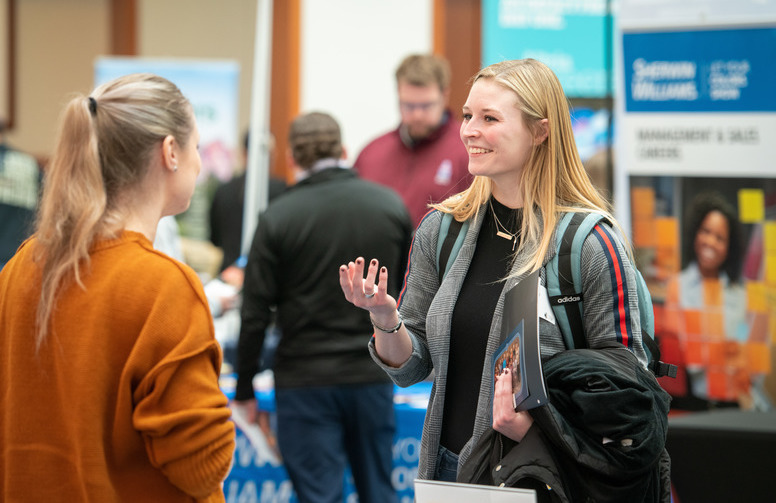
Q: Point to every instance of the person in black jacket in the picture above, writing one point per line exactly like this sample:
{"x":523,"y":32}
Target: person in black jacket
{"x":333,"y":403}
{"x":227,"y":207}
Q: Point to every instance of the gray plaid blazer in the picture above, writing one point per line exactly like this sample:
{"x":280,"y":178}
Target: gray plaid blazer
{"x":427,"y":309}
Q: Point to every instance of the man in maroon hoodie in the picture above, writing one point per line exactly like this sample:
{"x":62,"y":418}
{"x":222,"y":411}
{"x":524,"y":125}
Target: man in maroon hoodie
{"x":423,"y":159}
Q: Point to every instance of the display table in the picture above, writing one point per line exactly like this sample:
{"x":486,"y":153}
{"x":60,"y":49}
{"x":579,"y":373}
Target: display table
{"x":258,"y":477}
{"x":725,"y":455}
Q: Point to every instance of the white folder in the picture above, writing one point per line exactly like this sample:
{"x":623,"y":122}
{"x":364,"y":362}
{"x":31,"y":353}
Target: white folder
{"x":434,"y":491}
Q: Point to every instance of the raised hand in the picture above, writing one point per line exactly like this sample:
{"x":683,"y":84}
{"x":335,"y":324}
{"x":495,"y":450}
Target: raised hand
{"x":370,"y":292}
{"x":392,"y":342}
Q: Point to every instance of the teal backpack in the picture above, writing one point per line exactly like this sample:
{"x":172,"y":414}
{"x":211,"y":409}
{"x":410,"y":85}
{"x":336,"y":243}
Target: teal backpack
{"x":564,"y":281}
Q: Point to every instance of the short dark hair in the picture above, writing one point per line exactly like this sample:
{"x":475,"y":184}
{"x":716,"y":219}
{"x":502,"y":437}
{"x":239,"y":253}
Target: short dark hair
{"x":314,"y":136}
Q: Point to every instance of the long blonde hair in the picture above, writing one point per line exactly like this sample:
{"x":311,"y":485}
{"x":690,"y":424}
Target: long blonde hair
{"x":553,"y":180}
{"x":103,"y":150}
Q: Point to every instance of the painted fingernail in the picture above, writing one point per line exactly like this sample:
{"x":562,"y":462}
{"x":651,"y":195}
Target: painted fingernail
{"x":374,"y":262}
{"x":383,"y":269}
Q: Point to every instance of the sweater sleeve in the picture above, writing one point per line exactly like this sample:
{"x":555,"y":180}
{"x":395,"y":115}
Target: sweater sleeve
{"x":179,"y":408}
{"x":611,"y":307}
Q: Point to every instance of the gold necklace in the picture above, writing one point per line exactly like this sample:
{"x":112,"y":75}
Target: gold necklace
{"x":501,"y":230}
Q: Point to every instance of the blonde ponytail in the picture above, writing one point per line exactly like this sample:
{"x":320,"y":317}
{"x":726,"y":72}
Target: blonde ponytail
{"x":72,"y":205}
{"x":102,"y":152}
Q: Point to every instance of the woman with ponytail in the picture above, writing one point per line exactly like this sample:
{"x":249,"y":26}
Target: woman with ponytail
{"x":108,"y":361}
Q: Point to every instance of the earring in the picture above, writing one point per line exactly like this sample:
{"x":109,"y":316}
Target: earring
{"x":174,"y":167}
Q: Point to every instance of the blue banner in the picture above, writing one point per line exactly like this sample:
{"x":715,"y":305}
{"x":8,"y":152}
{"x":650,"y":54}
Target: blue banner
{"x":700,"y":71}
{"x":257,"y":476}
{"x":573,"y":37}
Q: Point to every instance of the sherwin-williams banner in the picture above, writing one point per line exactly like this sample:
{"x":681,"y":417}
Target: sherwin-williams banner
{"x":699,"y":102}
{"x":700,"y":71}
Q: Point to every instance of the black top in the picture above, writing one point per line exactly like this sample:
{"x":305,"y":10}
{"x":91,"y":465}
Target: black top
{"x":472,"y":317}
{"x":226,"y":215}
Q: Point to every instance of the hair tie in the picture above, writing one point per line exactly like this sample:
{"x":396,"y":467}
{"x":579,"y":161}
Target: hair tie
{"x":92,"y":106}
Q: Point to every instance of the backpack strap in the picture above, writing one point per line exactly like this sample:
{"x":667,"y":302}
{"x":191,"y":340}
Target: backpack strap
{"x":658,"y":368}
{"x":449,"y":243}
{"x":563,"y":273}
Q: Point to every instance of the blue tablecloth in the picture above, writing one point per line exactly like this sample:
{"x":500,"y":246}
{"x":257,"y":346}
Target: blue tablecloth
{"x":258,"y":478}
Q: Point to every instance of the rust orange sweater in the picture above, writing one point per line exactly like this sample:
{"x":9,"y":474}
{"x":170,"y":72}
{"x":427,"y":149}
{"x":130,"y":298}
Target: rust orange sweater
{"x":121,"y":403}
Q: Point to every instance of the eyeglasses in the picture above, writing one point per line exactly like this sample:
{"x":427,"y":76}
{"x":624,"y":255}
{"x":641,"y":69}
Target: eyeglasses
{"x":408,"y":107}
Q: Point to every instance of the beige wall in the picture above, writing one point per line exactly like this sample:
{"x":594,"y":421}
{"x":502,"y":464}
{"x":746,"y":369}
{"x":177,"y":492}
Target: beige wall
{"x":201,"y":29}
{"x":58,"y":41}
{"x":56,"y":44}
